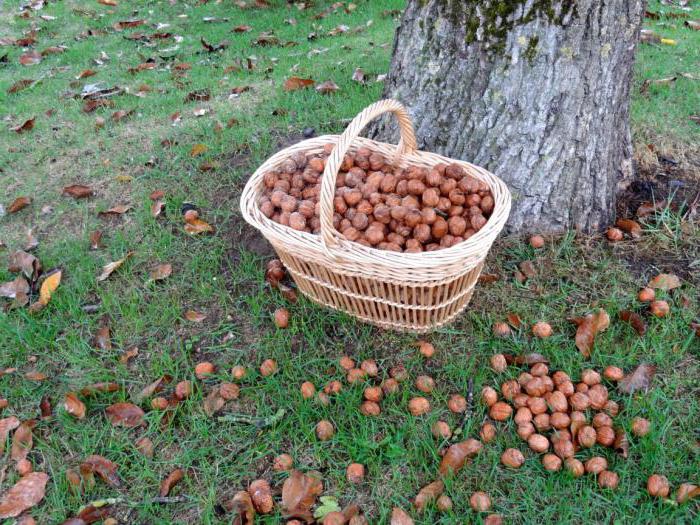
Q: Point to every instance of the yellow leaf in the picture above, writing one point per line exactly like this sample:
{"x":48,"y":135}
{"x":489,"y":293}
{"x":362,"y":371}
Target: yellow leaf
{"x":123,"y":178}
{"x":198,"y":226}
{"x":107,"y":269}
{"x":198,"y":149}
{"x":48,"y":287}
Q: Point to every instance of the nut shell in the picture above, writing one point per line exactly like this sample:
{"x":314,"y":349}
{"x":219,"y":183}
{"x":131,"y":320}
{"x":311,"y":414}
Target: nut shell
{"x":512,"y":458}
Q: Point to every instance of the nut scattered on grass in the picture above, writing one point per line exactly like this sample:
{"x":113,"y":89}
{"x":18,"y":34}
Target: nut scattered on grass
{"x":657,"y":486}
{"x":487,"y":433}
{"x":390,"y":386}
{"x":498,"y":362}
{"x":238,"y":372}
{"x":659,"y":308}
{"x":204,"y":369}
{"x":537,"y":241}
{"x":323,"y":399}
{"x":539,"y":370}
{"x":574,"y":466}
{"x":510,"y":389}
{"x":183,"y":390}
{"x":686,"y":492}
{"x":640,"y":426}
{"x":493,"y":519}
{"x":512,"y":458}
{"x":283,"y":462}
{"x":346,"y":363}
{"x":590,"y":377}
{"x":596,"y":465}
{"x":614,"y":234}
{"x":457,"y":404}
{"x":613,"y":373}
{"x":229,"y":391}
{"x":370,"y":408}
{"x":646,"y":295}
{"x":418,"y":406}
{"x":307,"y":390}
{"x":369,"y":366}
{"x":489,"y":396}
{"x":501,"y":330}
{"x":333,"y":387}
{"x":608,"y":479}
{"x":426,"y":349}
{"x":480,"y":501}
{"x":441,"y":430}
{"x":281,"y":318}
{"x":500,"y":411}
{"x":587,"y":436}
{"x":159,"y":403}
{"x":538,"y":443}
{"x":541,"y":330}
{"x":425,"y":384}
{"x":399,"y":373}
{"x":373,"y":393}
{"x":324,"y":430}
{"x":444,"y":503}
{"x":268,"y":367}
{"x":355,"y":472}
{"x":24,"y":467}
{"x":551,"y":462}
{"x":525,"y":431}
{"x":605,"y":436}
{"x":522,"y":416}
{"x":601,"y":419}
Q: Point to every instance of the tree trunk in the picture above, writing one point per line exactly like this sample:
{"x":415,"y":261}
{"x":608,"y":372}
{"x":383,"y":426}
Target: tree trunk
{"x":537,"y":91}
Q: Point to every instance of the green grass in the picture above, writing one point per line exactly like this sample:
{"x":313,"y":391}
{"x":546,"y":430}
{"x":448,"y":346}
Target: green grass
{"x":222,"y":275}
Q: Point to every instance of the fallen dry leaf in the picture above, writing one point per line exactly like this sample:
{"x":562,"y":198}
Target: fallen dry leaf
{"x":107,"y":269}
{"x":526,"y":359}
{"x":93,"y":104}
{"x":428,"y":494}
{"x":198,"y":149}
{"x":195,"y":317}
{"x":104,"y":468}
{"x":327,"y":87}
{"x":197,"y":226}
{"x":299,"y":493}
{"x":27,"y":125}
{"x":359,"y":75}
{"x":12,"y":289}
{"x":21,"y":261}
{"x":95,"y":388}
{"x":241,"y":29}
{"x":30,"y":58}
{"x":294,"y":83}
{"x":635,"y":321}
{"x":514,"y":320}
{"x":20,"y":85}
{"x":639,"y":379}
{"x":26,"y":493}
{"x":692,"y":24}
{"x":122,"y":114}
{"x":152,"y":388}
{"x":170,"y":481}
{"x":630,"y":226}
{"x":528,"y":269}
{"x":78,"y":191}
{"x":125,"y":414}
{"x":457,"y":455}
{"x":242,"y":508}
{"x":649,"y":208}
{"x":127,"y":24}
{"x":145,"y":447}
{"x":157,"y":208}
{"x":128,"y":354}
{"x":74,"y":406}
{"x":45,"y":407}
{"x":22,"y":440}
{"x":213,"y":402}
{"x":665,"y":281}
{"x":48,"y":287}
{"x":588,"y":327}
{"x":621,"y":443}
{"x":161,"y":271}
{"x":96,"y":240}
{"x":19,"y":204}
{"x":36,"y":376}
{"x":86,"y":73}
{"x":7,"y":425}
{"x":400,"y":517}
{"x":102,"y":339}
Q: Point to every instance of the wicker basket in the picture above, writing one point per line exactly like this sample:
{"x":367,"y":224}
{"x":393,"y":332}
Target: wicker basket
{"x":403,"y":291}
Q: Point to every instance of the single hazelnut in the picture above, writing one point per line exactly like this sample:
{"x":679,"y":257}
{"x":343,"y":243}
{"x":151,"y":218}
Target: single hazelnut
{"x":539,"y":369}
{"x":537,"y":241}
{"x":640,"y":426}
{"x":612,"y":408}
{"x":333,"y":387}
{"x":602,"y":419}
{"x":608,"y":479}
{"x":535,"y":387}
{"x":283,"y":462}
{"x":560,"y":377}
{"x":579,"y":401}
{"x":457,"y":404}
{"x":538,"y":443}
{"x":510,"y":389}
{"x":281,"y":318}
{"x":356,"y":375}
{"x":659,"y":308}
{"x":426,"y":349}
{"x":204,"y":369}
{"x":551,"y":462}
{"x":487,"y":432}
{"x":346,"y":363}
{"x":596,"y":465}
{"x":268,"y":367}
{"x":582,"y":387}
{"x":524,"y":378}
{"x":480,"y":501}
{"x":500,"y":411}
{"x":646,"y":295}
{"x":489,"y":396}
{"x":586,"y":436}
{"x":512,"y":458}
{"x":522,"y":416}
{"x":159,"y":403}
{"x":564,"y":448}
{"x":590,"y":377}
{"x":238,"y":372}
{"x":537,"y":405}
{"x":307,"y":390}
{"x":373,"y":393}
{"x":501,"y":330}
{"x":355,"y":473}
{"x":520,"y":400}
{"x":541,"y":330}
{"x":183,"y":390}
{"x":541,"y":422}
{"x":229,"y":391}
{"x":441,"y":430}
{"x":444,"y":503}
{"x":559,"y":420}
{"x":498,"y":362}
{"x":574,"y":466}
{"x":613,"y":373}
{"x":390,"y":386}
{"x":686,"y":492}
{"x":425,"y":384}
{"x":657,"y":486}
{"x":370,"y":367}
{"x":324,"y":430}
{"x":598,"y":396}
{"x":557,"y":402}
{"x":614,"y":234}
{"x":567,"y":388}
{"x":605,"y":436}
{"x":418,"y":406}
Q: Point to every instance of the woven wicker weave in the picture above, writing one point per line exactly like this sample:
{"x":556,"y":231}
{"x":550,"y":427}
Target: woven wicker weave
{"x":403,"y":291}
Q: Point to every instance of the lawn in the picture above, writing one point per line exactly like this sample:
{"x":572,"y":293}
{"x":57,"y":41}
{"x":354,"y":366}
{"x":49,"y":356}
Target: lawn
{"x":195,"y":121}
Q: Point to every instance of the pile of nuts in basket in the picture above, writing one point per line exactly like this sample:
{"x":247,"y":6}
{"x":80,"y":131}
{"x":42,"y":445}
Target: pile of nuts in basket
{"x":379,"y":205}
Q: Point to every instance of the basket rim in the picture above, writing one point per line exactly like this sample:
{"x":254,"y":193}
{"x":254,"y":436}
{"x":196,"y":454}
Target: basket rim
{"x":386,"y":258}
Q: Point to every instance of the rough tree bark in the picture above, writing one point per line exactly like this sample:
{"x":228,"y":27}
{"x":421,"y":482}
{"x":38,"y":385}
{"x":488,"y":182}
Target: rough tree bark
{"x":535,"y":90}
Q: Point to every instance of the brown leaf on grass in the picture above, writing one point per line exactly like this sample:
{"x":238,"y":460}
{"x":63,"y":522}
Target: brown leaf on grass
{"x":125,"y":414}
{"x":7,"y":425}
{"x":266,"y":38}
{"x":74,"y":406}
{"x":200,"y":95}
{"x":26,"y":493}
{"x":53,"y":50}
{"x":13,"y":289}
{"x":27,"y":125}
{"x":457,"y":455}
{"x":198,"y":226}
{"x":261,"y":494}
{"x":630,"y":226}
{"x":294,"y":83}
{"x":20,"y":85}
{"x":152,"y":388}
{"x":526,"y":359}
{"x":214,"y":48}
{"x":119,"y":209}
{"x":19,"y":204}
{"x":209,"y":166}
{"x":487,"y":278}
{"x":122,"y":114}
{"x":528,"y":269}
{"x":96,"y":388}
{"x":45,"y":407}
{"x":195,"y":317}
{"x":649,"y":208}
{"x":665,"y":281}
{"x":287,"y":292}
{"x":36,"y":376}
{"x":78,"y":191}
{"x":162,"y":271}
{"x":588,"y":327}
{"x":299,"y":493}
{"x":145,"y":447}
{"x":93,"y":104}
{"x":170,"y":481}
{"x":156,"y":195}
{"x":241,"y":29}
{"x":639,"y":379}
{"x":102,"y":339}
{"x":621,"y":443}
{"x":30,"y":58}
{"x":96,"y":240}
{"x":428,"y":494}
{"x":157,"y":208}
{"x":644,"y":88}
{"x":635,"y":321}
{"x":22,"y":440}
{"x":86,"y":73}
{"x":109,"y":268}
{"x":128,"y":354}
{"x":21,"y":261}
{"x":692,"y":24}
{"x":359,"y":75}
{"x":48,"y":287}
{"x":198,"y":149}
{"x":327,"y":87}
{"x":128,"y":24}
{"x":104,"y":468}
{"x":213,"y":402}
{"x":400,"y":517}
{"x":32,"y":241}
{"x":242,"y":507}
{"x":514,"y":320}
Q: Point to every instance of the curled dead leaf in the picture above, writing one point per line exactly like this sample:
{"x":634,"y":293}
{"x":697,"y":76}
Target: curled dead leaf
{"x":26,"y":493}
{"x":198,"y":149}
{"x":104,"y":468}
{"x":102,"y":339}
{"x":27,"y":125}
{"x":242,"y":507}
{"x":588,"y":327}
{"x":19,"y":204}
{"x":20,"y":85}
{"x":428,"y":494}
{"x":327,"y":87}
{"x":621,"y":443}
{"x":295,"y":83}
{"x":639,"y":379}
{"x":198,"y":226}
{"x":665,"y":281}
{"x":299,"y":493}
{"x":7,"y":425}
{"x":78,"y":191}
{"x":195,"y":317}
{"x":152,"y":388}
{"x":21,"y":261}
{"x":630,"y":226}
{"x":96,"y":240}
{"x":30,"y":58}
{"x":74,"y":406}
{"x":635,"y":321}
{"x":145,"y":447}
{"x":111,"y":267}
{"x":48,"y":287}
{"x":22,"y":440}
{"x":157,"y":208}
{"x":125,"y":414}
{"x":161,"y":271}
{"x":96,"y":388}
{"x":13,"y":289}
{"x":457,"y":455}
{"x":119,"y":209}
{"x":170,"y":481}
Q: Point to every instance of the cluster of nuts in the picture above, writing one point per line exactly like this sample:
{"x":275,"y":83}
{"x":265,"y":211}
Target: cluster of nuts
{"x":552,"y":415}
{"x":657,"y":307}
{"x":376,"y":204}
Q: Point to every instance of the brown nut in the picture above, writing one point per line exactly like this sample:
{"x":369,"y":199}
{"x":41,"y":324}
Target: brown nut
{"x":500,"y":411}
{"x":646,"y":295}
{"x":579,"y":401}
{"x":613,"y":373}
{"x":525,"y":431}
{"x":608,"y":480}
{"x":538,"y":443}
{"x":441,"y":430}
{"x":574,"y":466}
{"x":535,"y":387}
{"x":498,"y":362}
{"x":307,"y":390}
{"x":489,"y":396}
{"x":418,"y":406}
{"x":541,"y":330}
{"x":324,"y":430}
{"x":373,"y":393}
{"x":602,"y":420}
{"x":590,"y":377}
{"x":541,"y":422}
{"x":355,"y":473}
{"x":605,"y":436}
{"x":551,"y":462}
{"x":657,"y":486}
{"x":510,"y":389}
{"x":487,"y":432}
{"x":564,"y":448}
{"x":283,"y":462}
{"x":512,"y":458}
{"x":522,"y":416}
{"x":370,"y":408}
{"x":537,"y":405}
{"x":640,"y":426}
{"x":480,"y":501}
{"x":557,"y":402}
{"x":596,"y":465}
{"x":659,"y":308}
{"x":425,"y":384}
{"x":539,"y":369}
{"x":457,"y":404}
{"x":586,"y":436}
{"x":559,"y":420}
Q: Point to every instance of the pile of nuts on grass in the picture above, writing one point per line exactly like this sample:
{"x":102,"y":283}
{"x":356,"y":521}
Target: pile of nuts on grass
{"x":376,"y":204}
{"x":554,"y":418}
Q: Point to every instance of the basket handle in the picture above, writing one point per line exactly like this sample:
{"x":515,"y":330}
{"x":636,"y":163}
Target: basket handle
{"x":407,"y":146}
